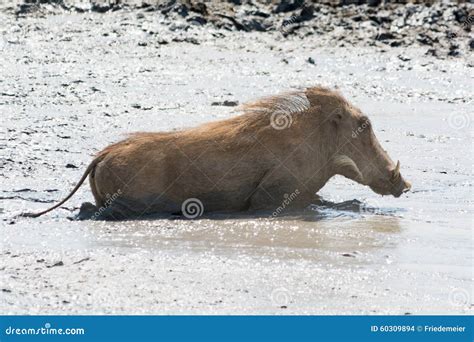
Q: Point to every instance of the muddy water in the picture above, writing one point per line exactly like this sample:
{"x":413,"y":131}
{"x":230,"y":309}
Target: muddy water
{"x":67,"y":90}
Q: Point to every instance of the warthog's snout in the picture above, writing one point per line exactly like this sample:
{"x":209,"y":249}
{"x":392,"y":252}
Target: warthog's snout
{"x":403,"y":187}
{"x":401,"y":184}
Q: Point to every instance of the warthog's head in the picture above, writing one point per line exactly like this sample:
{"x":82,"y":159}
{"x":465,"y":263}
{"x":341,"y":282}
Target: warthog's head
{"x":357,"y":153}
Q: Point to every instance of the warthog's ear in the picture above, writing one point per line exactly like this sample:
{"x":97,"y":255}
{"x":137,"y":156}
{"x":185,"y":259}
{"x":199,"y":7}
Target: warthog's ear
{"x":345,"y":166}
{"x":336,"y":116}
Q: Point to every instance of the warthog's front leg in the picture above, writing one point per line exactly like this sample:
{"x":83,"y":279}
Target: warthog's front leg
{"x":280,"y":192}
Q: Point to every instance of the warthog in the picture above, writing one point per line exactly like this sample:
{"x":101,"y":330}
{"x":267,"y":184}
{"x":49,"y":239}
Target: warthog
{"x":296,"y":140}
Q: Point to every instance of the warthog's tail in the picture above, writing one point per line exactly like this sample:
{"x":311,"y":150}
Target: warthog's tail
{"x":83,"y":178}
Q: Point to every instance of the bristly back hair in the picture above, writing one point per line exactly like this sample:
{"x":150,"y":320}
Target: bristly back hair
{"x":294,"y":102}
{"x":286,"y":103}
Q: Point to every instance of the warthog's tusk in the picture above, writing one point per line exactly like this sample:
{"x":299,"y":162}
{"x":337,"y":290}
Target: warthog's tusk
{"x":346,"y":167}
{"x":396,"y":172}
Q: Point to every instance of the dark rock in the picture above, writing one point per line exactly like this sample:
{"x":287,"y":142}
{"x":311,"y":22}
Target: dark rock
{"x":288,"y":5}
{"x":82,"y":260}
{"x":424,"y":39}
{"x":59,"y":263}
{"x":307,"y":13}
{"x":375,"y":19}
{"x":199,"y":7}
{"x":453,"y":53}
{"x":385,"y":36}
{"x":451,"y":35}
{"x":453,"y":48}
{"x":182,"y":11}
{"x":187,"y":40}
{"x":25,"y":9}
{"x":101,"y":8}
{"x":461,"y":15}
{"x":431,"y":52}
{"x":197,"y":20}
{"x":259,"y":13}
{"x":311,"y":60}
{"x":253,"y":25}
{"x":225,"y":103}
{"x":404,"y":58}
{"x":71,"y":166}
{"x":374,"y":3}
{"x":231,"y":19}
{"x":471,"y":44}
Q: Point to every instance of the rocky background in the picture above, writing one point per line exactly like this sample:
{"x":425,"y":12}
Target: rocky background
{"x":442,"y":28}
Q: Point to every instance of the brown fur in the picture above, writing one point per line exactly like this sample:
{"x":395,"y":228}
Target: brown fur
{"x":243,"y":162}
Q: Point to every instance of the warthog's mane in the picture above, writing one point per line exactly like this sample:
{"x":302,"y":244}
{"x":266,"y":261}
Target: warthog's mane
{"x":295,"y":101}
{"x":294,"y":104}
{"x":286,"y":103}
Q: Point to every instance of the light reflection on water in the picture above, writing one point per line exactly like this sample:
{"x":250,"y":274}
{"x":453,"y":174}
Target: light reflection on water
{"x":313,"y":233}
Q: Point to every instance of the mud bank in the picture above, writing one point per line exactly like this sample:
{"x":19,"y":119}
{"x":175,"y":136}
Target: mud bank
{"x":74,"y":82}
{"x":441,"y":29}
